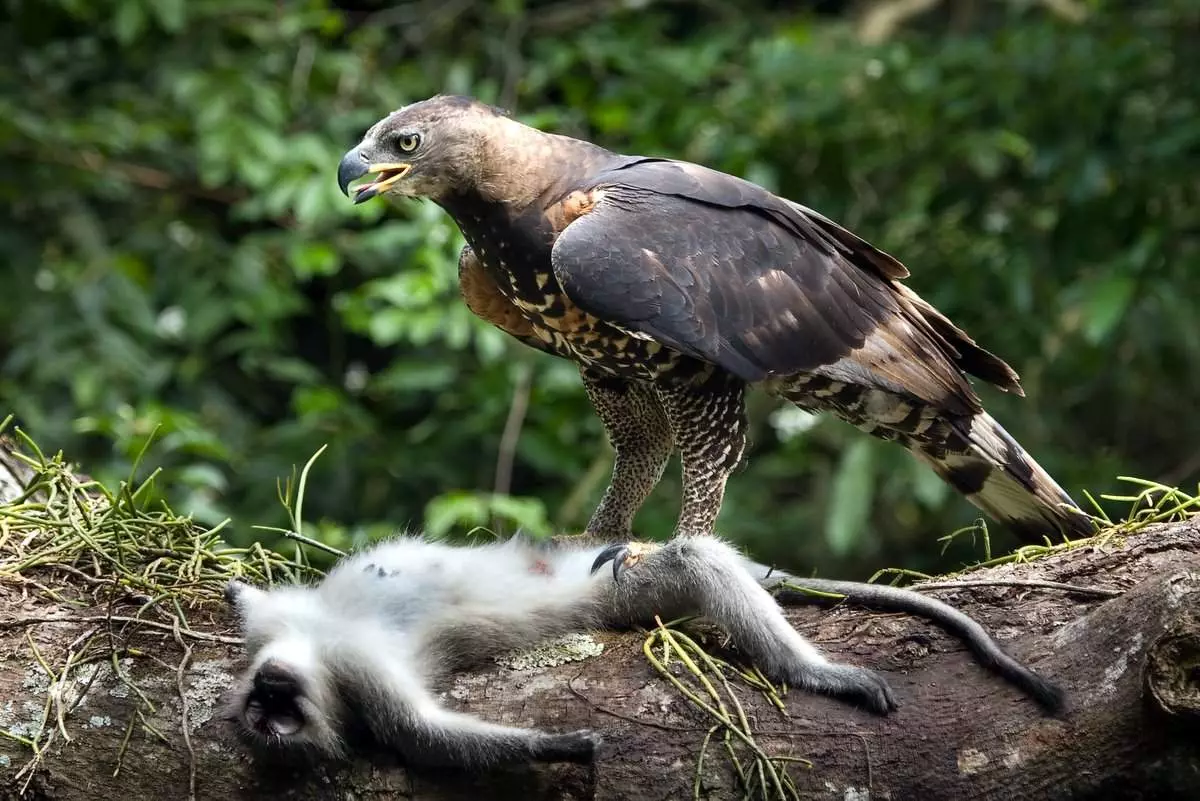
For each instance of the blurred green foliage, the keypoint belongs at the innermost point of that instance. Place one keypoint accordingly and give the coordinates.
(178, 256)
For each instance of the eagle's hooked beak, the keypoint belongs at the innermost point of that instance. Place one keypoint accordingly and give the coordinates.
(354, 165)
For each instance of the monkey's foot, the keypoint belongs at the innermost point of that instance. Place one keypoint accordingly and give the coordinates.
(849, 682)
(624, 556)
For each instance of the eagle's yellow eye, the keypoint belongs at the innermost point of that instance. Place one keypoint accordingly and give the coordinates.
(408, 142)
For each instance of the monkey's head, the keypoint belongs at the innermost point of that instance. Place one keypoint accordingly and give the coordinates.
(287, 698)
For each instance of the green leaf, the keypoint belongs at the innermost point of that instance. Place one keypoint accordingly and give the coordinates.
(1105, 305)
(454, 510)
(851, 497)
(313, 258)
(527, 514)
(170, 13)
(316, 400)
(129, 21)
(412, 375)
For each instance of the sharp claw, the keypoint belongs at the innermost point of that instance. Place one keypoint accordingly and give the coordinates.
(613, 553)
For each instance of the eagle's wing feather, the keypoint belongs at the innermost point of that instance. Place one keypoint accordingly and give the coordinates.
(724, 271)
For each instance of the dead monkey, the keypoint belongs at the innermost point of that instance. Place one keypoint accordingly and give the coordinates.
(358, 651)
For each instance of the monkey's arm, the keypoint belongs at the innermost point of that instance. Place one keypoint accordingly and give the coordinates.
(402, 714)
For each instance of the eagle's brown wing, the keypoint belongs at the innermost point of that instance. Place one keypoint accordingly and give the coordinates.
(722, 270)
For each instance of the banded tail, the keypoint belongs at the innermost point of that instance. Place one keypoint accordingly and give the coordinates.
(963, 445)
(983, 462)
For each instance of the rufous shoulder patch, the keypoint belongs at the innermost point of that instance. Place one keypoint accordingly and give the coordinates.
(573, 206)
(485, 300)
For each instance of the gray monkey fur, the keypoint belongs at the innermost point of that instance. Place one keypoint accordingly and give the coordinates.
(353, 657)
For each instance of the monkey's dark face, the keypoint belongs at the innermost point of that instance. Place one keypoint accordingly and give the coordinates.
(288, 706)
(287, 698)
(274, 707)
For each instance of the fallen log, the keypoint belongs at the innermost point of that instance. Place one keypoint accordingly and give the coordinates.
(107, 693)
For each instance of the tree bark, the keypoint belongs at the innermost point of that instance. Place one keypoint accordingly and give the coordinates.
(1130, 664)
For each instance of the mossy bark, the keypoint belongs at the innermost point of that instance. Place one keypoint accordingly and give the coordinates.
(1130, 664)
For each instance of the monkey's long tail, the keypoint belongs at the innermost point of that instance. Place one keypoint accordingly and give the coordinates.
(899, 599)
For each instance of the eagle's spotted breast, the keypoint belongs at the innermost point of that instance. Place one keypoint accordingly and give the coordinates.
(521, 272)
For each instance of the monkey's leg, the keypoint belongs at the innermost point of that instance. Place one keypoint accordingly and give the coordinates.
(403, 714)
(702, 575)
(642, 439)
(709, 424)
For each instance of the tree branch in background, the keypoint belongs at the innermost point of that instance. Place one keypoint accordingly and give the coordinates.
(879, 21)
(507, 452)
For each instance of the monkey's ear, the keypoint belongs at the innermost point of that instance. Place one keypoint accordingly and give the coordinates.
(240, 595)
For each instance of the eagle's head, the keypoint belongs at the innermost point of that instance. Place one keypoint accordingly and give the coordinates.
(429, 149)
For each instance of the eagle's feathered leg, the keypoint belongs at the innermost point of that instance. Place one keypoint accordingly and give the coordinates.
(709, 422)
(641, 436)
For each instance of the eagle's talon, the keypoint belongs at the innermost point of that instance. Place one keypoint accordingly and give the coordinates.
(623, 556)
(614, 553)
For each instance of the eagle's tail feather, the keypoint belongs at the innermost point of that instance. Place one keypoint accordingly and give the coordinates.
(983, 462)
